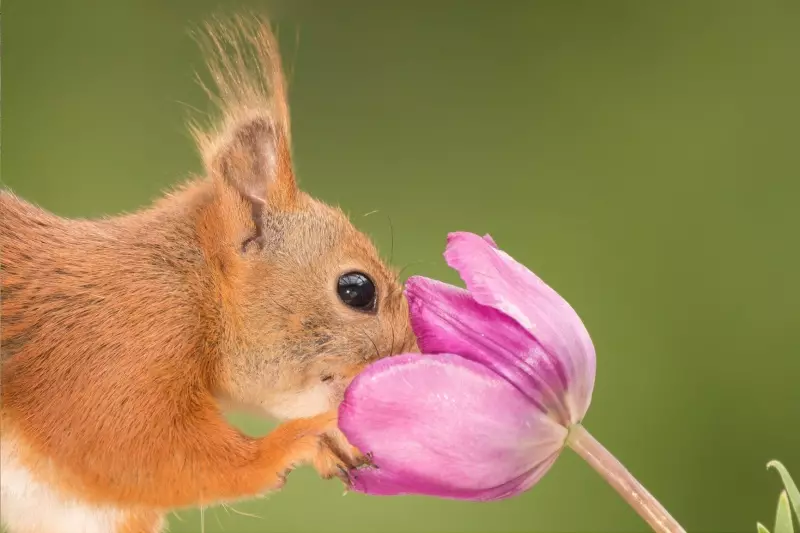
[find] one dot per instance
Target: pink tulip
(503, 382)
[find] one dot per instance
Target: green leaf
(791, 488)
(761, 528)
(783, 518)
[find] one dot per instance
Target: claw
(366, 463)
(344, 475)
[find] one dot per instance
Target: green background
(641, 156)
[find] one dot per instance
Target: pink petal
(441, 425)
(495, 279)
(447, 319)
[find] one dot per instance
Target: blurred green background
(641, 156)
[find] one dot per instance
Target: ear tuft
(249, 151)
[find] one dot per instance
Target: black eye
(356, 290)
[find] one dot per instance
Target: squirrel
(126, 338)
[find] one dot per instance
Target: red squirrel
(123, 338)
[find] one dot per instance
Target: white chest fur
(28, 506)
(309, 402)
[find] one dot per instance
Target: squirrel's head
(307, 301)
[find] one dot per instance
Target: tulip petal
(441, 425)
(495, 279)
(447, 319)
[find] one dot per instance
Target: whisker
(400, 273)
(391, 350)
(393, 292)
(377, 351)
(242, 513)
(219, 522)
(391, 232)
(407, 331)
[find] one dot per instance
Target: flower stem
(582, 442)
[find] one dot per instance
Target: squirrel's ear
(248, 155)
(255, 164)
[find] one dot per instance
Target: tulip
(502, 385)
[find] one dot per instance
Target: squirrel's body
(30, 505)
(121, 336)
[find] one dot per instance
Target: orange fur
(146, 521)
(121, 336)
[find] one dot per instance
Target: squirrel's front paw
(338, 458)
(296, 442)
(319, 442)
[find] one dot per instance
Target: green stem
(582, 442)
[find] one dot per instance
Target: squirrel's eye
(356, 290)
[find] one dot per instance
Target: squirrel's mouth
(326, 378)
